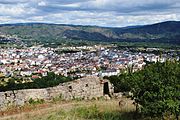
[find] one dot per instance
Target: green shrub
(37, 101)
(57, 98)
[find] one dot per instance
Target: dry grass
(79, 110)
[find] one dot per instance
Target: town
(34, 62)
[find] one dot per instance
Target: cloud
(42, 3)
(90, 12)
(12, 1)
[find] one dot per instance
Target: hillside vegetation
(155, 89)
(50, 80)
(166, 32)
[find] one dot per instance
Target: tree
(50, 80)
(158, 90)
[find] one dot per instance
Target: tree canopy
(156, 88)
(50, 80)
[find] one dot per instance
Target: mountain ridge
(164, 32)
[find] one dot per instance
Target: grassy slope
(79, 110)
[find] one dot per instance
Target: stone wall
(86, 88)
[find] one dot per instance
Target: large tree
(157, 89)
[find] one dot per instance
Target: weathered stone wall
(86, 88)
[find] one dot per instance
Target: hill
(165, 32)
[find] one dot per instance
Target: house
(109, 72)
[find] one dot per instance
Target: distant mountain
(136, 26)
(165, 32)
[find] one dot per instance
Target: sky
(109, 13)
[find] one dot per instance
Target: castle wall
(84, 88)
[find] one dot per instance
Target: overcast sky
(116, 13)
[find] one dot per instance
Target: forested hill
(165, 32)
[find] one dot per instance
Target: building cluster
(35, 62)
(8, 38)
